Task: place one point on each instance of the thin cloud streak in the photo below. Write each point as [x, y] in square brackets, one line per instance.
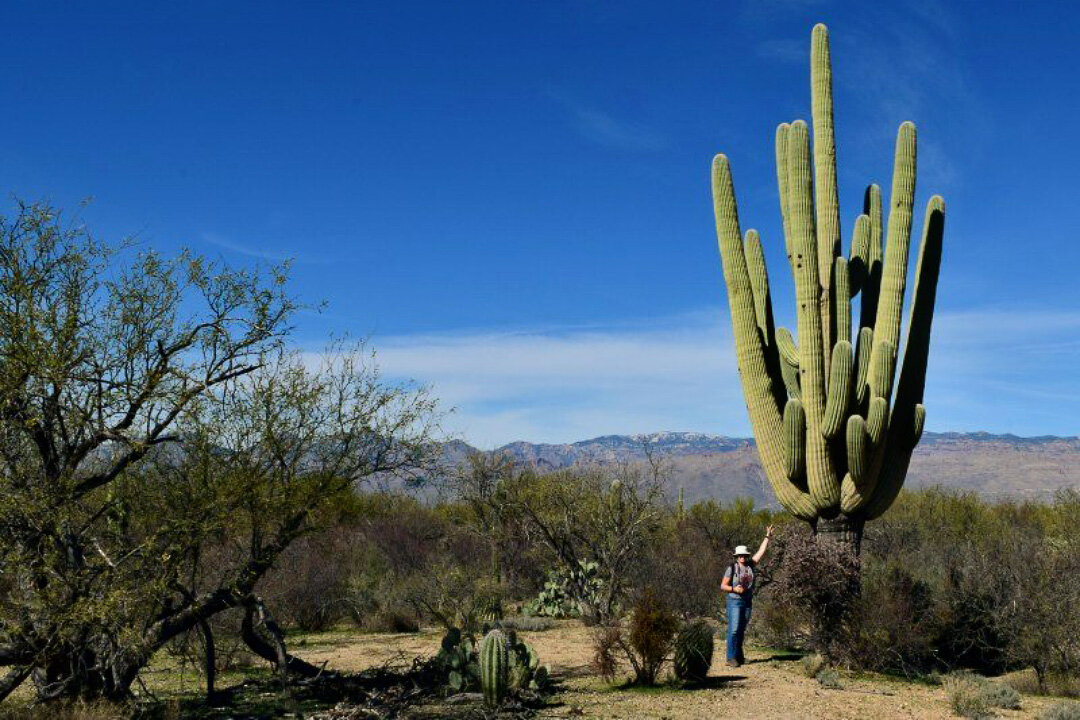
[990, 370]
[272, 256]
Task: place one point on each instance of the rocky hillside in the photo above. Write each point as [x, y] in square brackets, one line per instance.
[712, 466]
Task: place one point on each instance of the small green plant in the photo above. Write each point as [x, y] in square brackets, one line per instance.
[973, 696]
[812, 665]
[829, 679]
[693, 651]
[494, 667]
[1061, 711]
[458, 661]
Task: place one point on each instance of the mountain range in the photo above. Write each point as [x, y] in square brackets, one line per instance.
[725, 468]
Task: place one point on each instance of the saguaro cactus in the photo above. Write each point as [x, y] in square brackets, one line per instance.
[494, 667]
[834, 440]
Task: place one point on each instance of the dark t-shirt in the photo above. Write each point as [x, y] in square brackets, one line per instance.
[743, 575]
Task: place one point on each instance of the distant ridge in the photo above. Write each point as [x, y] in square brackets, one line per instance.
[995, 466]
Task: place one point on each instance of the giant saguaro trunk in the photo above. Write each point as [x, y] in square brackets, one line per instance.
[834, 440]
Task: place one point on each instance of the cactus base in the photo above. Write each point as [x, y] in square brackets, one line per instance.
[842, 532]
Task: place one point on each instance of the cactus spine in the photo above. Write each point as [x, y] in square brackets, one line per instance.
[494, 667]
[693, 651]
[834, 441]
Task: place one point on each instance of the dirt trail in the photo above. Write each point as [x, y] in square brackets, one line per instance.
[768, 686]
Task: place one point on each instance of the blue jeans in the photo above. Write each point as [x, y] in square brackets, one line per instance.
[738, 616]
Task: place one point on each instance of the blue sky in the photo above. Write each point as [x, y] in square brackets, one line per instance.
[512, 201]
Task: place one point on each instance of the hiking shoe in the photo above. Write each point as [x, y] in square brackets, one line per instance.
[733, 663]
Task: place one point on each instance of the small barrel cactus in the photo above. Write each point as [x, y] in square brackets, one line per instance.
[494, 667]
[693, 651]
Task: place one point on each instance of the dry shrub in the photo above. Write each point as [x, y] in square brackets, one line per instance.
[646, 645]
[822, 581]
[652, 629]
[1061, 711]
[812, 664]
[973, 696]
[608, 649]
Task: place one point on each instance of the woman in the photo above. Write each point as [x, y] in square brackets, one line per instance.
[738, 583]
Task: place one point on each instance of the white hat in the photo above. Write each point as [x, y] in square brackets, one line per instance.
[741, 550]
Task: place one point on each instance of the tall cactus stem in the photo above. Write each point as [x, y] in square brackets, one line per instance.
[782, 186]
[826, 200]
[758, 389]
[821, 479]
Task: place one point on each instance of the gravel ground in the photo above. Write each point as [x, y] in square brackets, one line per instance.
[769, 685]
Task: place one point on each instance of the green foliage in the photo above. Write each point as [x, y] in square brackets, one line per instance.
[163, 447]
[831, 435]
[693, 651]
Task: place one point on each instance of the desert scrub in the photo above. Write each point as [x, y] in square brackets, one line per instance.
[829, 679]
[811, 665]
[973, 696]
[1061, 711]
[527, 623]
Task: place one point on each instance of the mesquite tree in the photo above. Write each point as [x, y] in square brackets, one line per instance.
[159, 449]
[833, 439]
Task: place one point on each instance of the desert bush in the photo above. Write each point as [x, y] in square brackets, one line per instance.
[821, 580]
[307, 591]
[652, 629]
[608, 654]
[1061, 711]
[974, 696]
[606, 516]
[526, 623]
[645, 645]
[891, 624]
[829, 679]
[812, 664]
[966, 698]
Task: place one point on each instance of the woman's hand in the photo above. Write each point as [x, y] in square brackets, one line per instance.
[768, 531]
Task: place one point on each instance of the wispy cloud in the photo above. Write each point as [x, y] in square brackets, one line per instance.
[260, 253]
[996, 370]
[605, 129]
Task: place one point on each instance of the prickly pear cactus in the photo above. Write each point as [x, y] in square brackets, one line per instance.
[693, 651]
[834, 431]
[494, 667]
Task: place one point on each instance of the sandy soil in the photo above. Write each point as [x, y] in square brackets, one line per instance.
[769, 685]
